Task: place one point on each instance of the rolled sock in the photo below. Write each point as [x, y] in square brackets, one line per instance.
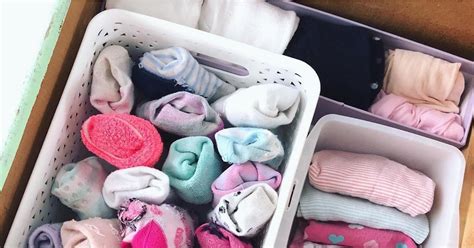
[122, 140]
[423, 79]
[143, 183]
[112, 88]
[79, 186]
[398, 109]
[182, 113]
[239, 145]
[46, 236]
[152, 86]
[241, 176]
[375, 178]
[184, 12]
[353, 235]
[166, 225]
[237, 212]
[254, 22]
[192, 166]
[264, 105]
[318, 205]
[178, 64]
[210, 235]
[95, 232]
[349, 72]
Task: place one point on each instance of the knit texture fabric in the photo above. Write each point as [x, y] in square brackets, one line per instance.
[143, 224]
[112, 88]
[122, 140]
[183, 114]
[353, 235]
[239, 145]
[46, 236]
[254, 22]
[144, 183]
[210, 235]
[184, 12]
[153, 86]
[241, 176]
[95, 232]
[348, 59]
[372, 177]
[423, 79]
[244, 213]
[318, 205]
[397, 108]
[79, 187]
[192, 166]
[264, 106]
[178, 64]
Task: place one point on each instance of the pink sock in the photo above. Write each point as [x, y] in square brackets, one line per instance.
[212, 235]
[122, 140]
[240, 176]
[339, 233]
[375, 178]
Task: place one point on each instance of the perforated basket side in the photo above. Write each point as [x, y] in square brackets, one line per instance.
[138, 34]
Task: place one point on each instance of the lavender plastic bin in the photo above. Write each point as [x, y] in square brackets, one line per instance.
[328, 106]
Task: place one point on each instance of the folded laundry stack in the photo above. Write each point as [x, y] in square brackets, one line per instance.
[356, 200]
[422, 92]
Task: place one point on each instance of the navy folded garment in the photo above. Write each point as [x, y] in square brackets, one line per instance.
[348, 59]
[153, 86]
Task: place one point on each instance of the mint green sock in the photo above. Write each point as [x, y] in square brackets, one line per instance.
[192, 166]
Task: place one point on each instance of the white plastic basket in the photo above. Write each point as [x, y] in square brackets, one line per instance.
[139, 34]
[443, 163]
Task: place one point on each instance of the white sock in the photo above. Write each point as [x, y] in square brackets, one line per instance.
[144, 183]
[244, 213]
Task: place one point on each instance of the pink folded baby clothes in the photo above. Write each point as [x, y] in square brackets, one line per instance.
[182, 113]
[164, 225]
[340, 233]
[398, 109]
[122, 140]
[112, 88]
[423, 79]
[375, 178]
[299, 238]
[95, 232]
[210, 235]
[241, 176]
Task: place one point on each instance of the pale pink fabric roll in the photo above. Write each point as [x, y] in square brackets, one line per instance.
[95, 232]
[398, 108]
[423, 79]
[375, 178]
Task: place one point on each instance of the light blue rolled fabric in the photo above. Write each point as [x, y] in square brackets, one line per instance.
[192, 166]
[79, 187]
[241, 144]
[322, 206]
[176, 63]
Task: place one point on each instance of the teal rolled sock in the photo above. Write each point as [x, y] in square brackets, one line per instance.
[322, 206]
[192, 166]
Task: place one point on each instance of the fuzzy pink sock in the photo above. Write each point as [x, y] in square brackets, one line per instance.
[122, 140]
[375, 178]
[339, 233]
[240, 176]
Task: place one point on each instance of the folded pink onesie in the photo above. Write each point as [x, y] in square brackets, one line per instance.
[398, 109]
[375, 178]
